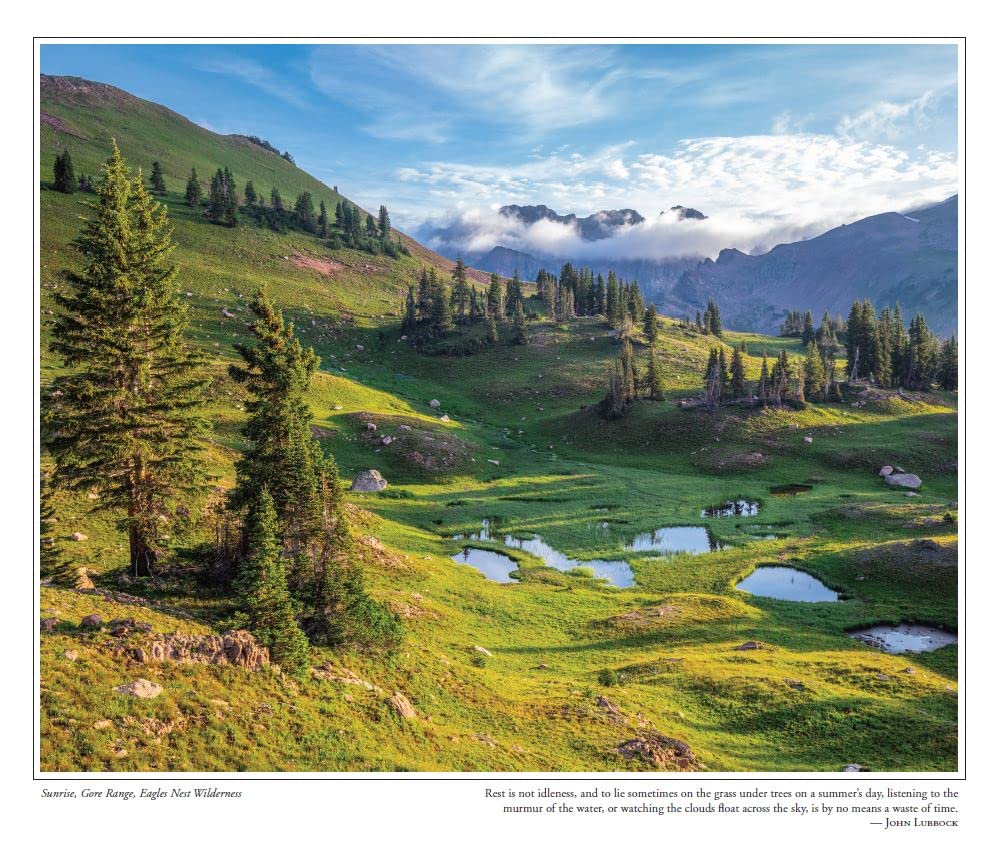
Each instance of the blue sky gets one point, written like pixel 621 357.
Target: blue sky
pixel 771 141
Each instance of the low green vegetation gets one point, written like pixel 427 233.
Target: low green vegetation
pixel 476 398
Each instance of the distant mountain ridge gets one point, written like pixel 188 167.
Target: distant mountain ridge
pixel 906 258
pixel 594 227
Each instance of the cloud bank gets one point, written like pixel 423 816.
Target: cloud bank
pixel 757 191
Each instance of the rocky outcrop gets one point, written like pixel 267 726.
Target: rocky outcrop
pixel 91 622
pixel 749 646
pixel 236 648
pixel 657 750
pixel 368 481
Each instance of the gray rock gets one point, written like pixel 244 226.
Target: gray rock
pixel 749 646
pixel 140 688
pixel 434 403
pixel 401 705
pixel 368 481
pixel 92 620
pixel 886 470
pixel 909 480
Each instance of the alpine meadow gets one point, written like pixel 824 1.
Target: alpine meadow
pixel 318 494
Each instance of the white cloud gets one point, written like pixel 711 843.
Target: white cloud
pixel 757 191
pixel 888 119
pixel 257 75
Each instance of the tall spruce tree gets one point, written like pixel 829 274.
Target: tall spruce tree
pixel 384 224
pixel 519 324
pixel 459 288
pixel 250 193
pixel 324 220
pixel 262 585
pixel 495 297
pixel 651 325
pixel 127 424
pixel 276 202
pixel 654 379
pixel 156 180
pixel 737 382
pixel 192 193
pixel 949 373
pixel 64 173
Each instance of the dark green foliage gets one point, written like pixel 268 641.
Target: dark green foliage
pixel 52 562
pixel 737 382
pixel 305 212
pixel 495 298
pixel 324 220
pixel 192 193
pixel 156 180
pixel 712 319
pixel 262 585
pixel 460 294
pixel 223 203
pixel 519 324
pixel 276 202
pixel 250 193
pixel 65 174
pixel 949 375
pixel 126 421
pixel 384 224
pixel 650 325
pixel 492 335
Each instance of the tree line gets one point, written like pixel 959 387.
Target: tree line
pixel 126 423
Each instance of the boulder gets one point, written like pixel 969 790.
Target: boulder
pixel 83 580
pixel 386 441
pixel 853 768
pixel 479 649
pixel 371 427
pixel 49 625
pixel 92 620
pixel 401 705
pixel 70 655
pixel 909 480
pixel 78 536
pixel 749 646
pixel 368 481
pixel 657 750
pixel 140 688
pixel 886 470
pixel 808 439
pixel 434 403
pixel 445 418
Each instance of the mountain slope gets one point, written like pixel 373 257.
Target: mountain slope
pixel 911 259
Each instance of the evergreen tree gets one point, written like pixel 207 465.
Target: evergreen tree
pixel 519 324
pixel 495 297
pixel 324 222
pixel 52 562
pixel 949 373
pixel 263 588
pixel 922 355
pixel 808 329
pixel 712 319
pixel 459 287
pixel 384 224
pixel 250 192
pixel 305 212
pixel 192 194
pixel 737 383
pixel 156 180
pixel 615 403
pixel 492 335
pixel 127 424
pixel 763 390
pixel 409 320
pixel 276 203
pixel 222 201
pixel 441 318
pixel 814 372
pixel 370 228
pixel 514 294
pixel 629 370
pixel 651 325
pixel 64 173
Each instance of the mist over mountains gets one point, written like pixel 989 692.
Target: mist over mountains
pixel 891 257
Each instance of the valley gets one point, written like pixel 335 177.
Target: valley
pixel 622 637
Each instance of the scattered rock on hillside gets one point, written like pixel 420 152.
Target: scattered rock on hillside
pixel 749 646
pixel 49 625
pixel 93 620
pixel 853 768
pixel 70 655
pixel 368 481
pixel 886 470
pixel 401 705
pixel 235 648
pixel 479 649
pixel 434 403
pixel 658 750
pixel 78 536
pixel 909 480
pixel 140 688
pixel 83 581
pixel 371 426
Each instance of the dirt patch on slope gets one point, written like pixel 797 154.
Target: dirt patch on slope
pixel 326 267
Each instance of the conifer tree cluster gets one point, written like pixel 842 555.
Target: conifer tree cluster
pixel 578 292
pixel 223 200
pixel 157 181
pixel 881 348
pixel 64 173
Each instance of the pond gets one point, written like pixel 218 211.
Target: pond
pixel 675 539
pixel 495 566
pixel 666 541
pixel 732 508
pixel 783 583
pixel 905 638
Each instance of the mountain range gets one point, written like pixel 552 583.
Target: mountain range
pixel 892 257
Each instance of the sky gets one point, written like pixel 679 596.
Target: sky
pixel 774 142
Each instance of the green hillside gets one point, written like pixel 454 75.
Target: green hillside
pixel 573 670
